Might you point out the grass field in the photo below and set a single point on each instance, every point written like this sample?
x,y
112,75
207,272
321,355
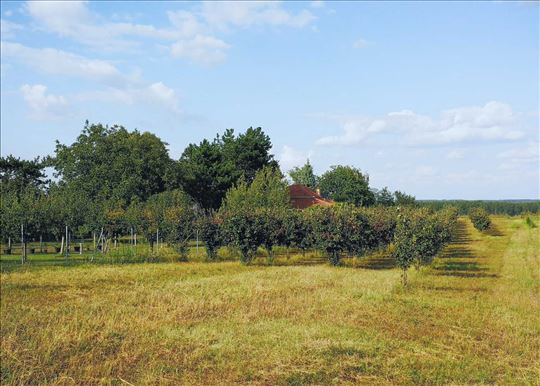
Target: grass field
x,y
473,317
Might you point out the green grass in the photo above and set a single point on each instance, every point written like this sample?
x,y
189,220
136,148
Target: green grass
x,y
471,318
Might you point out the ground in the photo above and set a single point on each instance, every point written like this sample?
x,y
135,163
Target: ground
x,y
473,317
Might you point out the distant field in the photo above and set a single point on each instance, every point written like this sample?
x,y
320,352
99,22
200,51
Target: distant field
x,y
473,317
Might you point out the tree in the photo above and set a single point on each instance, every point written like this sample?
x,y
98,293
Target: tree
x,y
268,190
420,234
18,175
205,174
112,163
384,197
252,212
169,213
304,175
249,152
179,218
346,184
403,199
331,227
480,218
209,227
208,170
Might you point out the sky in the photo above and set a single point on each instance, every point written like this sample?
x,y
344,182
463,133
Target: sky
x,y
437,99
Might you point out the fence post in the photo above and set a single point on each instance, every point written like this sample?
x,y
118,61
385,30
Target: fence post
x,y
23,248
66,248
197,233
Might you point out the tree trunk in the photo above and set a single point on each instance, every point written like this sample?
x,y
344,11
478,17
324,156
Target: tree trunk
x,y
404,277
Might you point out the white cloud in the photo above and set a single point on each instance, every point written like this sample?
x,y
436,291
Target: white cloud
x,y
164,95
57,62
225,14
455,154
8,28
495,121
201,49
43,105
119,87
290,157
361,43
516,158
156,93
191,33
355,131
74,19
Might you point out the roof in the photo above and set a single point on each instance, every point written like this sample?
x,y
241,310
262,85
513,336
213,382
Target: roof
x,y
303,197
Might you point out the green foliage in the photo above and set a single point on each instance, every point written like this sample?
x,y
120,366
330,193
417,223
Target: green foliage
x,y
245,231
256,209
208,170
384,197
331,227
111,163
297,229
530,223
209,227
480,218
382,225
346,184
18,175
268,190
304,175
511,208
172,213
403,199
420,234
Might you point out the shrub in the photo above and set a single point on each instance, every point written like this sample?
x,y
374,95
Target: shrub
x,y
244,230
419,236
331,228
480,218
209,227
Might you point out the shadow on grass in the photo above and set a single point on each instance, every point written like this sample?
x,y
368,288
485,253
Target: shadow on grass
x,y
457,289
493,231
376,263
13,265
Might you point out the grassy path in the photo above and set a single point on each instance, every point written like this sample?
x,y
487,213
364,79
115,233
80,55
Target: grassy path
x,y
471,318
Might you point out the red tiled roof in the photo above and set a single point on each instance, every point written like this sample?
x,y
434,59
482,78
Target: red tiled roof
x,y
303,197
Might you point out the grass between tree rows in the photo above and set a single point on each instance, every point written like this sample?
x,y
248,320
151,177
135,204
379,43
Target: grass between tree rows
x,y
472,317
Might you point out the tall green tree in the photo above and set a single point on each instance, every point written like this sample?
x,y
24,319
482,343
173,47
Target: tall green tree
x,y
304,175
346,184
207,170
17,175
384,197
403,199
252,213
113,163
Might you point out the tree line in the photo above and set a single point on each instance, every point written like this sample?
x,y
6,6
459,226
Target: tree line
x,y
502,207
111,170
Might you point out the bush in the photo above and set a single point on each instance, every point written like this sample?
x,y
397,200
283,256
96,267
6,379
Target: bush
x,y
331,229
420,234
245,231
209,227
480,218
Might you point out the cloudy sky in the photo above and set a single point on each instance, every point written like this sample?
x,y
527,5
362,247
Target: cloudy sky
x,y
437,99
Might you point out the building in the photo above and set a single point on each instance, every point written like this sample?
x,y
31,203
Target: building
x,y
303,197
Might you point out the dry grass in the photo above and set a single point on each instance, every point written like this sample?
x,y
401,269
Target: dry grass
x,y
472,318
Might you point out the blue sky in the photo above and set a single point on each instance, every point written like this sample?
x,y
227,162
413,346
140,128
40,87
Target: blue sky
x,y
437,99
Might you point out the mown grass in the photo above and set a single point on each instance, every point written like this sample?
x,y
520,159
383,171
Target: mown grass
x,y
471,318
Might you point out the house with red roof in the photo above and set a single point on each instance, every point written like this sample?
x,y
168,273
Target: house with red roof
x,y
303,197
